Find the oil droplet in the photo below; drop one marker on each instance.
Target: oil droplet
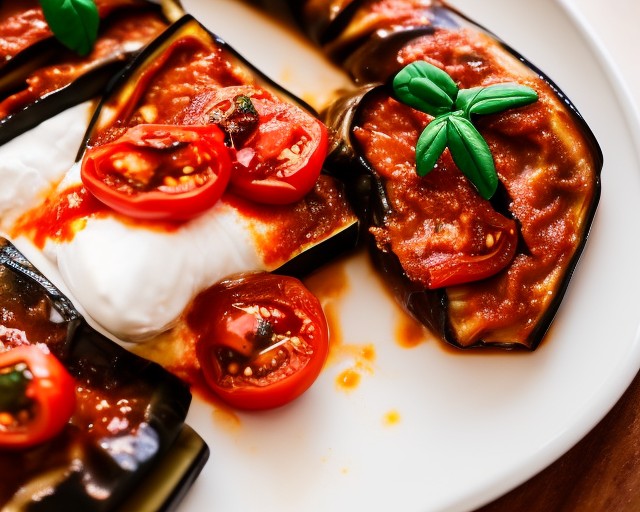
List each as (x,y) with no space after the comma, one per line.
(391,418)
(409,333)
(329,283)
(364,356)
(226,419)
(348,379)
(368,353)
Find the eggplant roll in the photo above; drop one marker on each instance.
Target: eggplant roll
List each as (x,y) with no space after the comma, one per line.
(480,272)
(39,77)
(128,412)
(136,276)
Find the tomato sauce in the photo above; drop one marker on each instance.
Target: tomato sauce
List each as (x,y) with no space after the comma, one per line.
(543,160)
(168,92)
(281,232)
(165,91)
(117,37)
(386,14)
(63,214)
(22,24)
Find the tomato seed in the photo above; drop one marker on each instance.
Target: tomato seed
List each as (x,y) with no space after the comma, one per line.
(489,241)
(149,113)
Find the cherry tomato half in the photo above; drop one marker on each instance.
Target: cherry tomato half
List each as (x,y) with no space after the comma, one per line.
(159,171)
(281,152)
(262,339)
(499,242)
(38,397)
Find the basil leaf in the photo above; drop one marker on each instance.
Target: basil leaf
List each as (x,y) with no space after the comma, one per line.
(431,143)
(73,22)
(472,155)
(425,87)
(494,98)
(429,89)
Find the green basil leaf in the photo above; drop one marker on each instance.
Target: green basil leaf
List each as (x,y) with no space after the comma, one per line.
(431,143)
(472,155)
(425,87)
(73,22)
(494,98)
(430,89)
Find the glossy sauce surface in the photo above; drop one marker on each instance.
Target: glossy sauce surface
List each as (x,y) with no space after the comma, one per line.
(543,160)
(119,35)
(167,92)
(102,411)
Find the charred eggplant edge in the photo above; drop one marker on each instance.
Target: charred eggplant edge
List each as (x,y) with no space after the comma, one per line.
(429,306)
(165,413)
(86,87)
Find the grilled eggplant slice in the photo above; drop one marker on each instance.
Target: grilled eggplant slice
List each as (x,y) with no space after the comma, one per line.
(546,157)
(40,78)
(168,83)
(129,411)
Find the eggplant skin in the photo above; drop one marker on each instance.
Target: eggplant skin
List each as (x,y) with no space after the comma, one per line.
(336,229)
(104,369)
(22,109)
(459,314)
(372,40)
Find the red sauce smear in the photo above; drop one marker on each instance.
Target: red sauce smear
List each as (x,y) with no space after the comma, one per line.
(63,214)
(165,90)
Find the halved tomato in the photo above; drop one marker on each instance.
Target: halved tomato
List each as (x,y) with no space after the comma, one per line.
(499,241)
(159,171)
(262,339)
(38,397)
(280,148)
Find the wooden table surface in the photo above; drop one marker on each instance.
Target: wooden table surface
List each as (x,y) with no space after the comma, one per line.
(600,473)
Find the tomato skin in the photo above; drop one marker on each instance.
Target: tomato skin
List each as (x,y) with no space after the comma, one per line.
(107,171)
(262,339)
(52,390)
(464,268)
(279,163)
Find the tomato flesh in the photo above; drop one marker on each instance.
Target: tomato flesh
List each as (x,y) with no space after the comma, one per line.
(47,403)
(262,339)
(280,153)
(159,171)
(500,241)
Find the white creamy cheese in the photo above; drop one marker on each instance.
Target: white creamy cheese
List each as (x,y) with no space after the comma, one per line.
(132,281)
(135,282)
(32,163)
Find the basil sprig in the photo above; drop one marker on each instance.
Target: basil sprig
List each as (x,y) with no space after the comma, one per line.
(73,22)
(429,89)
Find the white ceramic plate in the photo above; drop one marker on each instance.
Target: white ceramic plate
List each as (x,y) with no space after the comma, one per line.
(425,428)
